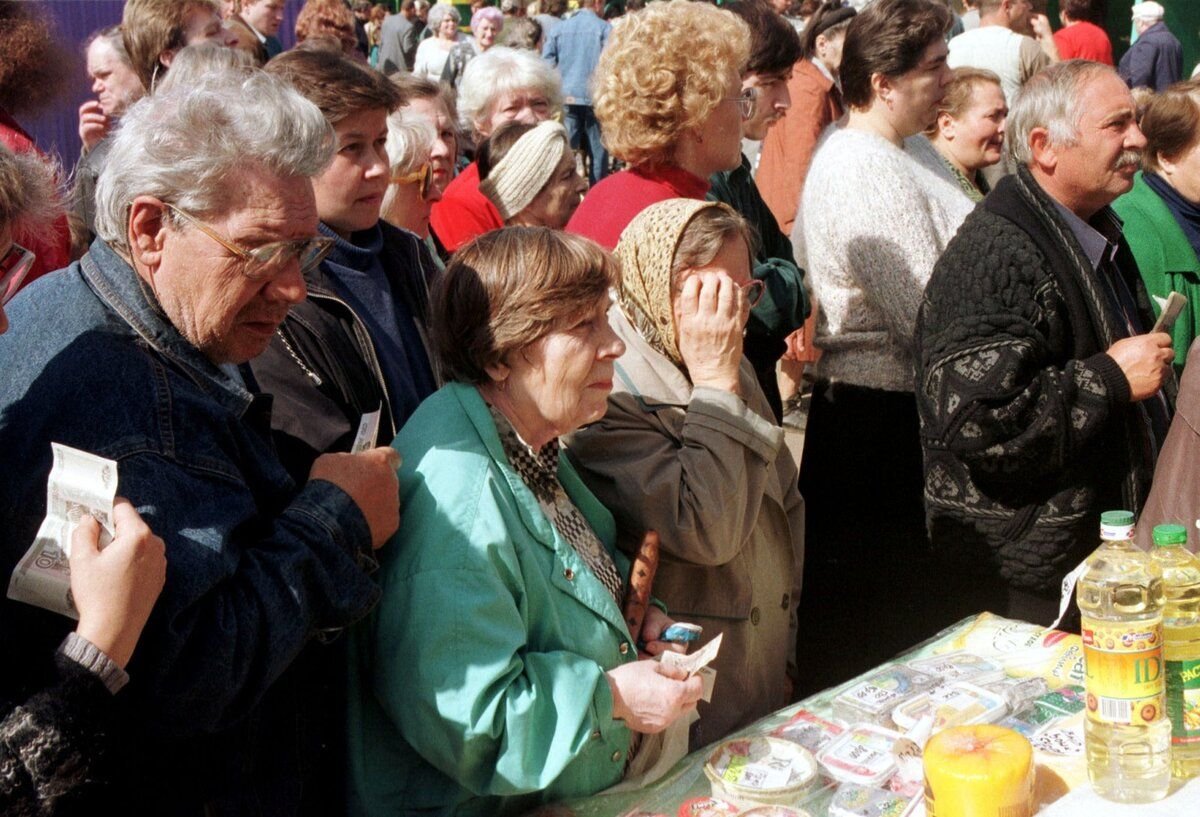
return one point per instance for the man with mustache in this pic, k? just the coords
(1043, 397)
(206, 222)
(774, 49)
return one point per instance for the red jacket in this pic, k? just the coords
(609, 206)
(51, 244)
(1084, 41)
(463, 213)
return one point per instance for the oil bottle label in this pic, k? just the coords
(1183, 702)
(1126, 681)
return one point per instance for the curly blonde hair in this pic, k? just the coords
(663, 72)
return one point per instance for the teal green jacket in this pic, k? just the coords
(1164, 257)
(477, 686)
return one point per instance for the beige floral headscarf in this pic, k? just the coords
(647, 252)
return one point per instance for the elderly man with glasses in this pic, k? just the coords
(206, 222)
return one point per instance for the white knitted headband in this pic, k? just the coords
(516, 179)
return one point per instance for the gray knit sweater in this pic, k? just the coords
(873, 221)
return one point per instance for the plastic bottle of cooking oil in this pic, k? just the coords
(1181, 645)
(1127, 733)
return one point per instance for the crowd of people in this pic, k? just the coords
(406, 342)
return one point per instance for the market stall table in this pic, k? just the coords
(1019, 649)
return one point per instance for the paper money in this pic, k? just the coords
(80, 484)
(697, 663)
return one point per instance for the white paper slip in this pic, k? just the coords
(80, 484)
(693, 663)
(368, 430)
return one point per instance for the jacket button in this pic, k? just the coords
(569, 574)
(755, 616)
(596, 735)
(624, 648)
(786, 600)
(616, 757)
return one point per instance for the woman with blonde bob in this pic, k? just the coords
(529, 173)
(969, 131)
(502, 584)
(668, 95)
(689, 447)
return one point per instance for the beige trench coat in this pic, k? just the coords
(713, 477)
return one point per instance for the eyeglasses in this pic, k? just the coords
(747, 101)
(422, 175)
(754, 292)
(265, 261)
(13, 268)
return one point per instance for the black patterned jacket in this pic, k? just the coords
(1027, 425)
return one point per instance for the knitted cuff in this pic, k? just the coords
(93, 659)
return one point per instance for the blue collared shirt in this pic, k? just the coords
(574, 48)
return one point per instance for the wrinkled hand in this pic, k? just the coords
(115, 588)
(1040, 24)
(1145, 360)
(93, 124)
(653, 625)
(370, 479)
(650, 697)
(710, 315)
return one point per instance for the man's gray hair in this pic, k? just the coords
(1050, 99)
(186, 144)
(409, 144)
(502, 70)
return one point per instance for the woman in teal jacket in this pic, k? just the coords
(498, 672)
(1162, 211)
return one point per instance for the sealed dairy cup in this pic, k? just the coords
(755, 771)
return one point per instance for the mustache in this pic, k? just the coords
(1128, 158)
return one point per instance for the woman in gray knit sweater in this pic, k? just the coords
(878, 208)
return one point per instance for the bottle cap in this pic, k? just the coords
(1116, 525)
(1170, 535)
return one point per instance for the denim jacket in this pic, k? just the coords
(574, 48)
(255, 565)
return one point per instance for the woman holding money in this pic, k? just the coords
(51, 743)
(497, 672)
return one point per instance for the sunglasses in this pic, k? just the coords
(13, 268)
(268, 260)
(423, 175)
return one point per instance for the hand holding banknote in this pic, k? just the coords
(115, 588)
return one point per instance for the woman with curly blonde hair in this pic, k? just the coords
(668, 94)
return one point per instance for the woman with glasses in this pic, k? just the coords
(669, 98)
(879, 206)
(688, 447)
(411, 190)
(529, 173)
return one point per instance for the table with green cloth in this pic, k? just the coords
(1022, 649)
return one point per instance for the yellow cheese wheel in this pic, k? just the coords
(978, 771)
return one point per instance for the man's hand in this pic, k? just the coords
(1044, 34)
(1145, 360)
(653, 626)
(370, 480)
(93, 124)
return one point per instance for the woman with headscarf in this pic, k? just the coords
(529, 173)
(688, 447)
(878, 209)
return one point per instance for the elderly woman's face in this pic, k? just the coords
(448, 28)
(720, 144)
(526, 105)
(912, 98)
(445, 146)
(202, 286)
(562, 380)
(554, 205)
(485, 34)
(976, 139)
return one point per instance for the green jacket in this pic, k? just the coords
(1165, 258)
(478, 685)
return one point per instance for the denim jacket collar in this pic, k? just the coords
(117, 284)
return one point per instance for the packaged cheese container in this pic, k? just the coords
(761, 771)
(810, 731)
(960, 665)
(953, 705)
(873, 699)
(853, 800)
(864, 754)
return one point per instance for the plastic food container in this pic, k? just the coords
(756, 771)
(873, 699)
(853, 800)
(707, 807)
(810, 731)
(960, 666)
(863, 755)
(954, 705)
